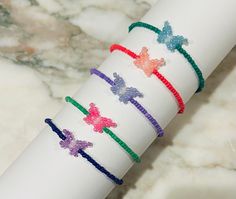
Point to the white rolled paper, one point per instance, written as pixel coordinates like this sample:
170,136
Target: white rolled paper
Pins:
46,171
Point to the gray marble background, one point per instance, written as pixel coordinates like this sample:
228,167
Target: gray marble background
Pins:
46,49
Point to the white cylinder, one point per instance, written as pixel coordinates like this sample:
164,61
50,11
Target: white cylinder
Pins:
46,171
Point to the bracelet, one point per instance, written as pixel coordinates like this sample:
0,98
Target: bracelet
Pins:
165,36
77,147
102,124
149,67
127,94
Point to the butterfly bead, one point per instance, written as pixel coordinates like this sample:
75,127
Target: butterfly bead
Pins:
96,120
125,93
72,144
144,62
166,37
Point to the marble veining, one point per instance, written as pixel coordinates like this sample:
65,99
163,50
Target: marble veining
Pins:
46,50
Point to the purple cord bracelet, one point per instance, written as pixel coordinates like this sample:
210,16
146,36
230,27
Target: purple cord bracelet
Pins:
127,94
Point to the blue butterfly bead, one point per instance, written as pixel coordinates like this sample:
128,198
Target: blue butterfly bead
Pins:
125,93
166,37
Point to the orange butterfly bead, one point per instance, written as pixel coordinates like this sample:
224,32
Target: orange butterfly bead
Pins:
146,64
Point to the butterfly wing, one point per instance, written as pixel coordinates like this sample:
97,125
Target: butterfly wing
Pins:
107,122
165,33
119,84
133,92
176,41
143,59
93,114
93,110
69,137
83,144
129,94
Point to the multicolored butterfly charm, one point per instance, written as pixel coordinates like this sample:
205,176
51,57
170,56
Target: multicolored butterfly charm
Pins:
166,37
96,120
146,64
125,93
72,144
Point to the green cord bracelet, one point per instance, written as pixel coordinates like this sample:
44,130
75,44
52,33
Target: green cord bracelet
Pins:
100,125
173,43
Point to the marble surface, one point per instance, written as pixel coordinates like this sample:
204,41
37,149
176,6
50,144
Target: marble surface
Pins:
46,48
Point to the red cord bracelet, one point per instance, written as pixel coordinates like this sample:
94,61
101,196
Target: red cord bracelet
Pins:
149,67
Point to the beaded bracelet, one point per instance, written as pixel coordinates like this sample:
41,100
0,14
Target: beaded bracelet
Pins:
102,124
127,94
151,66
165,36
77,147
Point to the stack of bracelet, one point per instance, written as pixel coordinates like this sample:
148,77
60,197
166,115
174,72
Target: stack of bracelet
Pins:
165,36
127,95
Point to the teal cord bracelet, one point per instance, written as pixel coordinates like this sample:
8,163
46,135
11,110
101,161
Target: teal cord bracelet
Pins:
173,43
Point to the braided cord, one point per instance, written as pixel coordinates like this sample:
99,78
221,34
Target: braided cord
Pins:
133,155
55,129
195,67
114,47
180,49
144,25
172,89
77,105
100,168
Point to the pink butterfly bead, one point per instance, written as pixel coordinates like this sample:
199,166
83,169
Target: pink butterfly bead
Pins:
146,64
96,120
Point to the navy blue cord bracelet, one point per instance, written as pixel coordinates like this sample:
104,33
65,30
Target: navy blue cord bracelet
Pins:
82,145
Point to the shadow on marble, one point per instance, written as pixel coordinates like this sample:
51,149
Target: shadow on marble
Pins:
201,192
150,155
